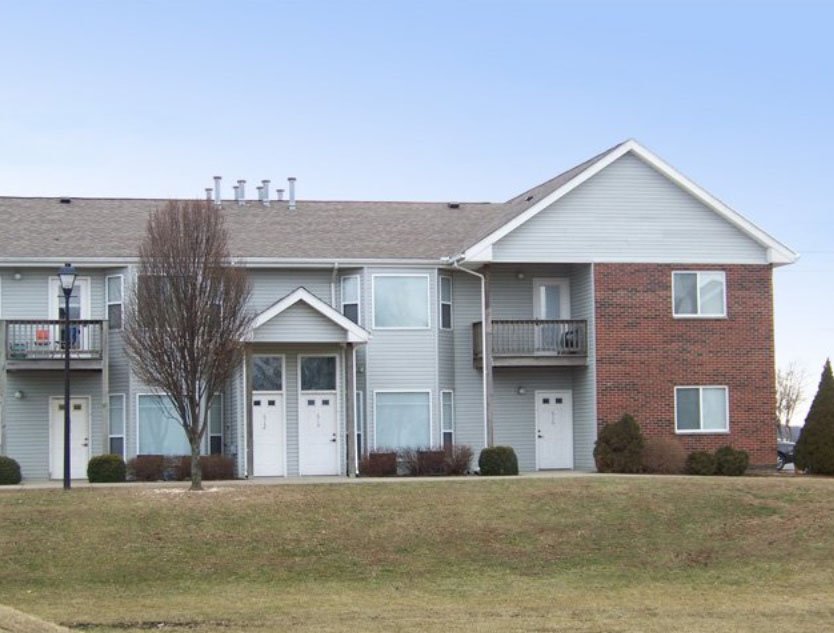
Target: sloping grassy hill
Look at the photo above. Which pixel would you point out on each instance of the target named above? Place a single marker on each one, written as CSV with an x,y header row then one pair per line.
x,y
575,554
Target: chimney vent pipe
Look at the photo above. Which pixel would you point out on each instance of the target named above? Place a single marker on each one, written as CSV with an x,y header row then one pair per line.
x,y
218,200
242,185
291,181
208,194
265,184
236,189
260,189
280,194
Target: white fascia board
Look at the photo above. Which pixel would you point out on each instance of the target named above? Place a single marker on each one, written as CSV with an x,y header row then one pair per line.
x,y
777,253
355,333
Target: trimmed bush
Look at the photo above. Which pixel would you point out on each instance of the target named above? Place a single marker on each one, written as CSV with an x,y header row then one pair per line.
x,y
731,462
498,460
146,467
619,447
663,456
215,467
815,447
382,464
106,469
458,459
700,463
9,471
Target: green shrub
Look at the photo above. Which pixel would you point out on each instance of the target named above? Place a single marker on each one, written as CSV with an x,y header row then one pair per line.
x,y
381,464
106,469
498,460
619,447
215,467
458,459
146,467
9,471
663,455
700,463
815,447
731,462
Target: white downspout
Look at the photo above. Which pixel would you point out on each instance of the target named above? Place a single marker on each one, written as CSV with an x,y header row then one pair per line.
x,y
455,261
333,286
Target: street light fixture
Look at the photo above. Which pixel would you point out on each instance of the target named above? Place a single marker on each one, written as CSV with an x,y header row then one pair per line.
x,y
66,275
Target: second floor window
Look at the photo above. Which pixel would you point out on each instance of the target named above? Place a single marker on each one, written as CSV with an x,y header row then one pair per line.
x,y
350,297
115,290
699,294
446,303
401,302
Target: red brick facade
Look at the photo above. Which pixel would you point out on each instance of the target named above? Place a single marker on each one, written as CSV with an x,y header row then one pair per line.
x,y
643,352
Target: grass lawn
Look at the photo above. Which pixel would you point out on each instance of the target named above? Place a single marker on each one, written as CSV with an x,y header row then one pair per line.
x,y
606,554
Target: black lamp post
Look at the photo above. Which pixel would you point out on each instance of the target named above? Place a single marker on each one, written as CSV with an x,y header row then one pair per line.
x,y
66,275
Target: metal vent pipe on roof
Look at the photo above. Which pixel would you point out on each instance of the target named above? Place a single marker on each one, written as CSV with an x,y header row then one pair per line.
x,y
208,194
260,189
266,192
236,189
280,194
291,181
218,200
242,185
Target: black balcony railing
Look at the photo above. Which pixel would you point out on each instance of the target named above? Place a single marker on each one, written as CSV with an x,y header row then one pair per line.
x,y
533,338
47,340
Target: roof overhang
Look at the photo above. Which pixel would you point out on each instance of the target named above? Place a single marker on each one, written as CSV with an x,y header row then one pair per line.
x,y
353,332
777,253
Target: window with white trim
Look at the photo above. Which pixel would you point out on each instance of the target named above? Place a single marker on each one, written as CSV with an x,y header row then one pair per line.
x,y
360,421
699,294
115,294
215,426
403,419
401,301
702,409
158,427
447,418
350,297
116,425
445,303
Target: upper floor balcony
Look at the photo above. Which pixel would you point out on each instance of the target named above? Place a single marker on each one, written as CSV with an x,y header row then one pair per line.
x,y
42,344
534,343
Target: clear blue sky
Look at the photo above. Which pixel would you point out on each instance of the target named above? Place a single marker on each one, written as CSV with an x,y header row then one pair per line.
x,y
435,101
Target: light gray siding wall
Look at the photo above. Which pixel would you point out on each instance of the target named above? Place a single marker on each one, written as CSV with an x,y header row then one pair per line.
x,y
28,297
118,367
27,419
232,419
402,359
300,322
628,213
584,378
268,286
469,410
515,414
512,298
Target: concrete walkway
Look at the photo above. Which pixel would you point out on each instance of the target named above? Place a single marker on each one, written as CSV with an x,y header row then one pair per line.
x,y
83,484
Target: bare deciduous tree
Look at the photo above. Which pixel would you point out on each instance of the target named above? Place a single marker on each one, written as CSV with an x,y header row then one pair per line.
x,y
790,388
186,314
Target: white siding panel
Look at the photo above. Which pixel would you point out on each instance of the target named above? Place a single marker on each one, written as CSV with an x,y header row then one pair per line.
x,y
629,213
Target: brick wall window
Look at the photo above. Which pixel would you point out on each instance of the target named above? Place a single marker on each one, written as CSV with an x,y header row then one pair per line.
x,y
701,410
699,294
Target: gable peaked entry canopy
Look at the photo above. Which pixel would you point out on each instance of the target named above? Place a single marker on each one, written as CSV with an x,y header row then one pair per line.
x,y
301,317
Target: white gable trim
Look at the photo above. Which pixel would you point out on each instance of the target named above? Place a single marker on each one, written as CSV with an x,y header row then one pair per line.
x,y
777,253
355,334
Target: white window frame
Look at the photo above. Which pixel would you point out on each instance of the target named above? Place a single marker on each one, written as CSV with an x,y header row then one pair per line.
x,y
84,285
563,284
431,412
702,431
359,418
426,276
698,314
441,303
218,397
443,430
123,435
205,448
358,301
108,301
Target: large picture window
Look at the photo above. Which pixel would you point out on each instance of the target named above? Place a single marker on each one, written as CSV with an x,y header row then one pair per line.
x,y
159,428
699,294
701,410
401,301
403,419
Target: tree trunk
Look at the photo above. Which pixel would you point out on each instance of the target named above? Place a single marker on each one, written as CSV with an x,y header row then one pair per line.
x,y
196,468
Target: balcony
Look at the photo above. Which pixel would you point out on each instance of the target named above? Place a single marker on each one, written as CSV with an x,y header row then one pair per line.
x,y
40,344
534,343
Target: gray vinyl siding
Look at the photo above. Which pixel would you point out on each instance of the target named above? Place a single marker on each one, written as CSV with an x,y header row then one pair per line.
x,y
269,286
629,212
300,322
28,297
512,298
27,419
469,391
584,378
515,414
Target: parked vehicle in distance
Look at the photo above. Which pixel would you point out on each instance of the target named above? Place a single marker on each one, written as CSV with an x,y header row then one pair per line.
x,y
785,453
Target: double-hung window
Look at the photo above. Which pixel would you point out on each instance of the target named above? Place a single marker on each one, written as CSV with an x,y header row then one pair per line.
x,y
699,294
447,418
115,301
116,425
401,302
215,430
350,297
702,410
446,303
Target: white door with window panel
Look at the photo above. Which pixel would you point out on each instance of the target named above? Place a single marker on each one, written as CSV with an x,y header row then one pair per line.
x,y
268,449
318,436
79,438
79,309
551,302
554,429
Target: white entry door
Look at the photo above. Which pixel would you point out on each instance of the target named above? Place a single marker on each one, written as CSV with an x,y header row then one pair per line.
x,y
554,429
268,445
79,438
318,434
